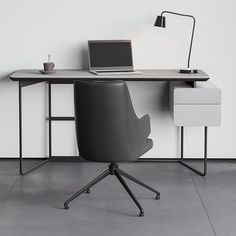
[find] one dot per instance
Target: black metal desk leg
(20, 138)
(49, 121)
(204, 172)
(20, 129)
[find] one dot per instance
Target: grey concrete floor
(190, 205)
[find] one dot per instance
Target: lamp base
(188, 71)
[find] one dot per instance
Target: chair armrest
(138, 135)
(144, 124)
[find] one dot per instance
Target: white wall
(32, 29)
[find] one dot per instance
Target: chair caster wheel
(158, 196)
(88, 191)
(141, 213)
(66, 207)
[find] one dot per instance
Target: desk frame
(27, 81)
(22, 172)
(181, 161)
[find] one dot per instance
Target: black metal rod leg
(139, 182)
(129, 192)
(204, 172)
(22, 172)
(49, 120)
(88, 186)
(20, 129)
(182, 143)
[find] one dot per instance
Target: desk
(30, 77)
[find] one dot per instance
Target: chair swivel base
(114, 170)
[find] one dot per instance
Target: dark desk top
(69, 76)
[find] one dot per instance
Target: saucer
(47, 72)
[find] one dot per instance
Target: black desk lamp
(161, 22)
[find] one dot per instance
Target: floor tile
(6, 184)
(218, 192)
(34, 205)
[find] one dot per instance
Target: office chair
(108, 130)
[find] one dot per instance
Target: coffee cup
(48, 66)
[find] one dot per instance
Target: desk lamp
(161, 22)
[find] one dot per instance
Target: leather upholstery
(107, 127)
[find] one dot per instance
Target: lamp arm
(193, 29)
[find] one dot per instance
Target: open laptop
(111, 57)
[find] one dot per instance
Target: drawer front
(197, 96)
(197, 115)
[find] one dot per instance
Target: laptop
(111, 57)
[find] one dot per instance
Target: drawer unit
(195, 106)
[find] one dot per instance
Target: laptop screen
(110, 54)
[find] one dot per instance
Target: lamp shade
(160, 21)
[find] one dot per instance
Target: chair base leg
(129, 192)
(114, 170)
(86, 188)
(140, 183)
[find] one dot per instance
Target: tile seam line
(8, 193)
(203, 204)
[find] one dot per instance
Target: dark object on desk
(188, 71)
(48, 66)
(109, 131)
(161, 22)
(47, 72)
(110, 57)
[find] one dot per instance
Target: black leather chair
(108, 130)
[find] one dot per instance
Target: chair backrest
(106, 124)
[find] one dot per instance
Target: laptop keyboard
(125, 72)
(108, 71)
